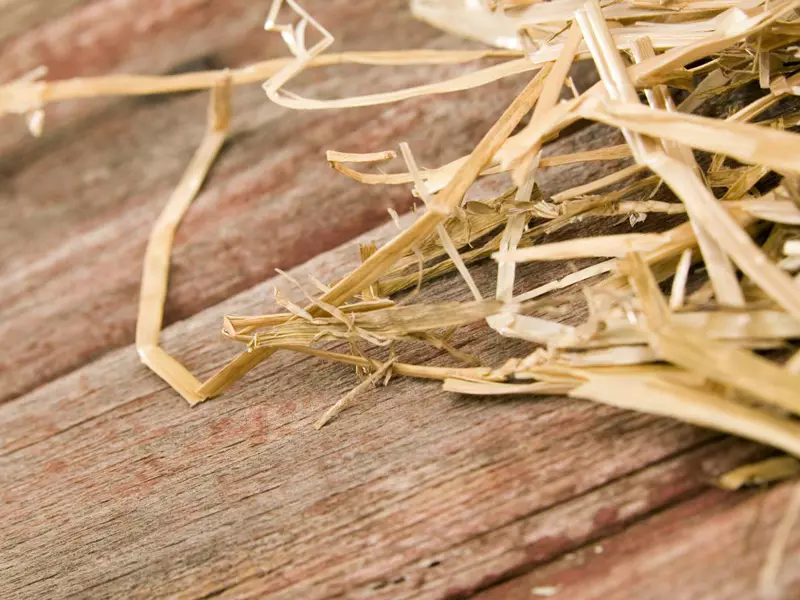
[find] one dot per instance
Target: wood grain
(711, 546)
(21, 16)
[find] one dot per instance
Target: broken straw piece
(361, 387)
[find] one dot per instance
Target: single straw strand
(155, 273)
(347, 398)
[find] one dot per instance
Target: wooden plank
(79, 206)
(711, 546)
(112, 487)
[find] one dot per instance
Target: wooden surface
(111, 487)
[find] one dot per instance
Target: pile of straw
(731, 268)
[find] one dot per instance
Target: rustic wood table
(111, 486)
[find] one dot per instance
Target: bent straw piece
(155, 273)
(21, 97)
(459, 83)
(441, 206)
(171, 371)
(295, 39)
(345, 400)
(156, 264)
(368, 157)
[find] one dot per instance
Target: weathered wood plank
(711, 546)
(78, 208)
(113, 487)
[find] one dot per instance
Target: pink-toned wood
(710, 546)
(22, 16)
